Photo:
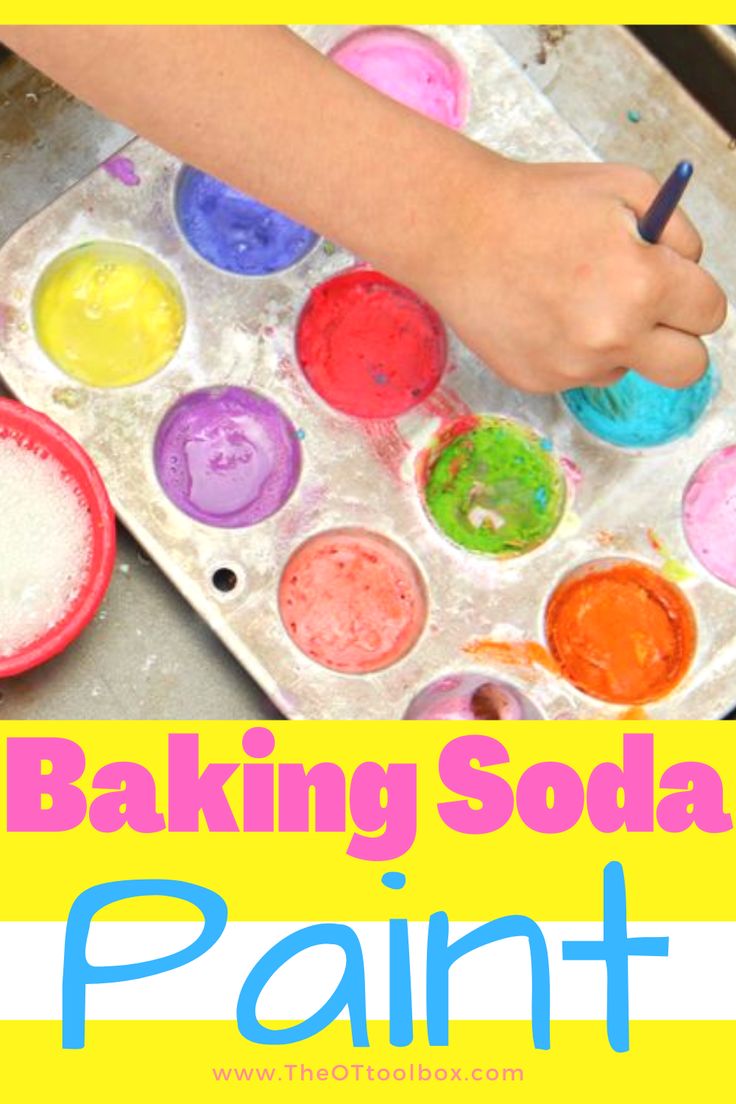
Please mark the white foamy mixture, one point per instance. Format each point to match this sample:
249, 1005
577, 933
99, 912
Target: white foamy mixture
45, 544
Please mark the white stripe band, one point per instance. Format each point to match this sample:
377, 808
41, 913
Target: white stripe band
696, 982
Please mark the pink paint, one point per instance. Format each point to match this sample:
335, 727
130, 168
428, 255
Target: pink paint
470, 696
709, 514
572, 471
122, 169
410, 67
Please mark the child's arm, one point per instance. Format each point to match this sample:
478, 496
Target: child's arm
538, 268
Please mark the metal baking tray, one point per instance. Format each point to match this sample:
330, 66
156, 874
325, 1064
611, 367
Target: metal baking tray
361, 474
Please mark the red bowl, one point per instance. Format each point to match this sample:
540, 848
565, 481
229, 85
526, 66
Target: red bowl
41, 433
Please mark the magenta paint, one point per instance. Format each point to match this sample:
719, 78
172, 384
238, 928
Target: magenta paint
471, 696
227, 456
122, 168
409, 67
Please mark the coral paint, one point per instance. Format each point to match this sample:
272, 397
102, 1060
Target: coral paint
122, 169
493, 486
470, 697
638, 414
108, 314
233, 231
621, 632
369, 346
227, 456
409, 67
513, 653
709, 514
352, 601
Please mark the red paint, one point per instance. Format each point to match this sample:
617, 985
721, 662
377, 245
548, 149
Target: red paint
370, 347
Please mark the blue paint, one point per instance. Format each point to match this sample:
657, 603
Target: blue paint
233, 231
394, 879
638, 414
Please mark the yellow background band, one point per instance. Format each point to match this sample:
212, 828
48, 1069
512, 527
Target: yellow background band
172, 1062
137, 11
308, 876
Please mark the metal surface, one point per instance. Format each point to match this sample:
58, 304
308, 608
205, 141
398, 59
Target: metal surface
703, 59
242, 332
146, 655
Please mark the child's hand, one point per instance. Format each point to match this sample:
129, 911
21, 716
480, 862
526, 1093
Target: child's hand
538, 268
544, 276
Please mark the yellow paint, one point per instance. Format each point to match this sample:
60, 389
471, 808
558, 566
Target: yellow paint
108, 314
672, 568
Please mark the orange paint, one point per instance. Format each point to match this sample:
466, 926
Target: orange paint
513, 653
621, 632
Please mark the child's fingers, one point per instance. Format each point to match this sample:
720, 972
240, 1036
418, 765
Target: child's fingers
669, 357
691, 299
680, 235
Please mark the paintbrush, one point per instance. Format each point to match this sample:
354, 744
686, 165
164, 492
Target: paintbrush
652, 224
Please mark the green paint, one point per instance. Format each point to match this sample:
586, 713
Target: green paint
496, 489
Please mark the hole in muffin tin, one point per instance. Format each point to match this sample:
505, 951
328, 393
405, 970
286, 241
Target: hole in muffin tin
225, 579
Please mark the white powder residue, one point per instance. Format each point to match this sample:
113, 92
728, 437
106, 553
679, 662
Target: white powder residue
45, 544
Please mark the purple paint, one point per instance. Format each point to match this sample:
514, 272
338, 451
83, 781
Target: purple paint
471, 696
122, 169
227, 456
235, 232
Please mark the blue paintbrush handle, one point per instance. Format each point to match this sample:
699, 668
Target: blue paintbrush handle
652, 224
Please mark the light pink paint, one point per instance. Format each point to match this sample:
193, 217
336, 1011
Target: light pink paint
122, 169
709, 514
410, 67
572, 471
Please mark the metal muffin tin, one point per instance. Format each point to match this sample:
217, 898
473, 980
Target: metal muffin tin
361, 474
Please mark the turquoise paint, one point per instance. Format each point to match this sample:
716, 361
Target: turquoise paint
638, 414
